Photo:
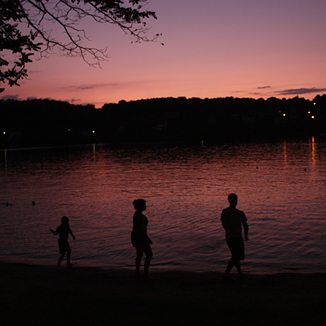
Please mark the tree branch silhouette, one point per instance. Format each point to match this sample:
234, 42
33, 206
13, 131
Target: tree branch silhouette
65, 16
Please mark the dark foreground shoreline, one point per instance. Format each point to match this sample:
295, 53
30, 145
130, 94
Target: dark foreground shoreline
42, 295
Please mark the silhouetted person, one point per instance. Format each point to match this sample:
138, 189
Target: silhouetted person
139, 237
63, 230
233, 220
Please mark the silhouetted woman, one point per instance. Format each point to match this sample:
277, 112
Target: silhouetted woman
139, 237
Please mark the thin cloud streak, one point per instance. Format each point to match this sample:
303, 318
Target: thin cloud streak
301, 91
263, 87
114, 85
11, 97
89, 87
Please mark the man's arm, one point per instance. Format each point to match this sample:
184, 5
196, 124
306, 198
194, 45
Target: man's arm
245, 229
222, 220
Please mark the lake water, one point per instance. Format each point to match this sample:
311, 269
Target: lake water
281, 188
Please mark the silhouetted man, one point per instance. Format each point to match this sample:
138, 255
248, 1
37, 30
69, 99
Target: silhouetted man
232, 220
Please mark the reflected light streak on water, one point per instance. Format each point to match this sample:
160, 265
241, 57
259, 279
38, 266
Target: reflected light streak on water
280, 187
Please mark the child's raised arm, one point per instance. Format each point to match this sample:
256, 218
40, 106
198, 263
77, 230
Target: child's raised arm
53, 232
72, 234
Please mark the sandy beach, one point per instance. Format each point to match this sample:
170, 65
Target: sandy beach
42, 295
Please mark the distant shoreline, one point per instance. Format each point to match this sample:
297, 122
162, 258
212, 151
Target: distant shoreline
159, 144
193, 120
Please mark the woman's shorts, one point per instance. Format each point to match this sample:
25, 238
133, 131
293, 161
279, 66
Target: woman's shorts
236, 246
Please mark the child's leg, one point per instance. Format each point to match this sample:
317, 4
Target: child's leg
68, 250
68, 258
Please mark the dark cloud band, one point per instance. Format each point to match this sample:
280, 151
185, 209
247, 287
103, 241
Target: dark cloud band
299, 91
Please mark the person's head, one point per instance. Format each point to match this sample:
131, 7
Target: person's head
233, 200
64, 220
139, 204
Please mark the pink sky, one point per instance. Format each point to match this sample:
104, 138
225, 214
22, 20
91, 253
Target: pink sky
212, 48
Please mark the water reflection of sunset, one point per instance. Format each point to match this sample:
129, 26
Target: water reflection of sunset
285, 152
313, 151
185, 189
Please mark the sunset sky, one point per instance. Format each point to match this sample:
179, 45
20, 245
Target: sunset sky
212, 48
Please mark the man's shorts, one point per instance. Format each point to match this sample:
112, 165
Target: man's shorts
236, 246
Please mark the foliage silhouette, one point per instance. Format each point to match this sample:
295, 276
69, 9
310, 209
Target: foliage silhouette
66, 18
49, 122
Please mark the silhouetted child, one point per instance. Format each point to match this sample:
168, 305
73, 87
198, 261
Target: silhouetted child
232, 221
139, 237
63, 230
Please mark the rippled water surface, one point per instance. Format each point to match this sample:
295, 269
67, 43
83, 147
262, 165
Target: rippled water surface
281, 188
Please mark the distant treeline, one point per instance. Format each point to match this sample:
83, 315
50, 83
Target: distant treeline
48, 122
